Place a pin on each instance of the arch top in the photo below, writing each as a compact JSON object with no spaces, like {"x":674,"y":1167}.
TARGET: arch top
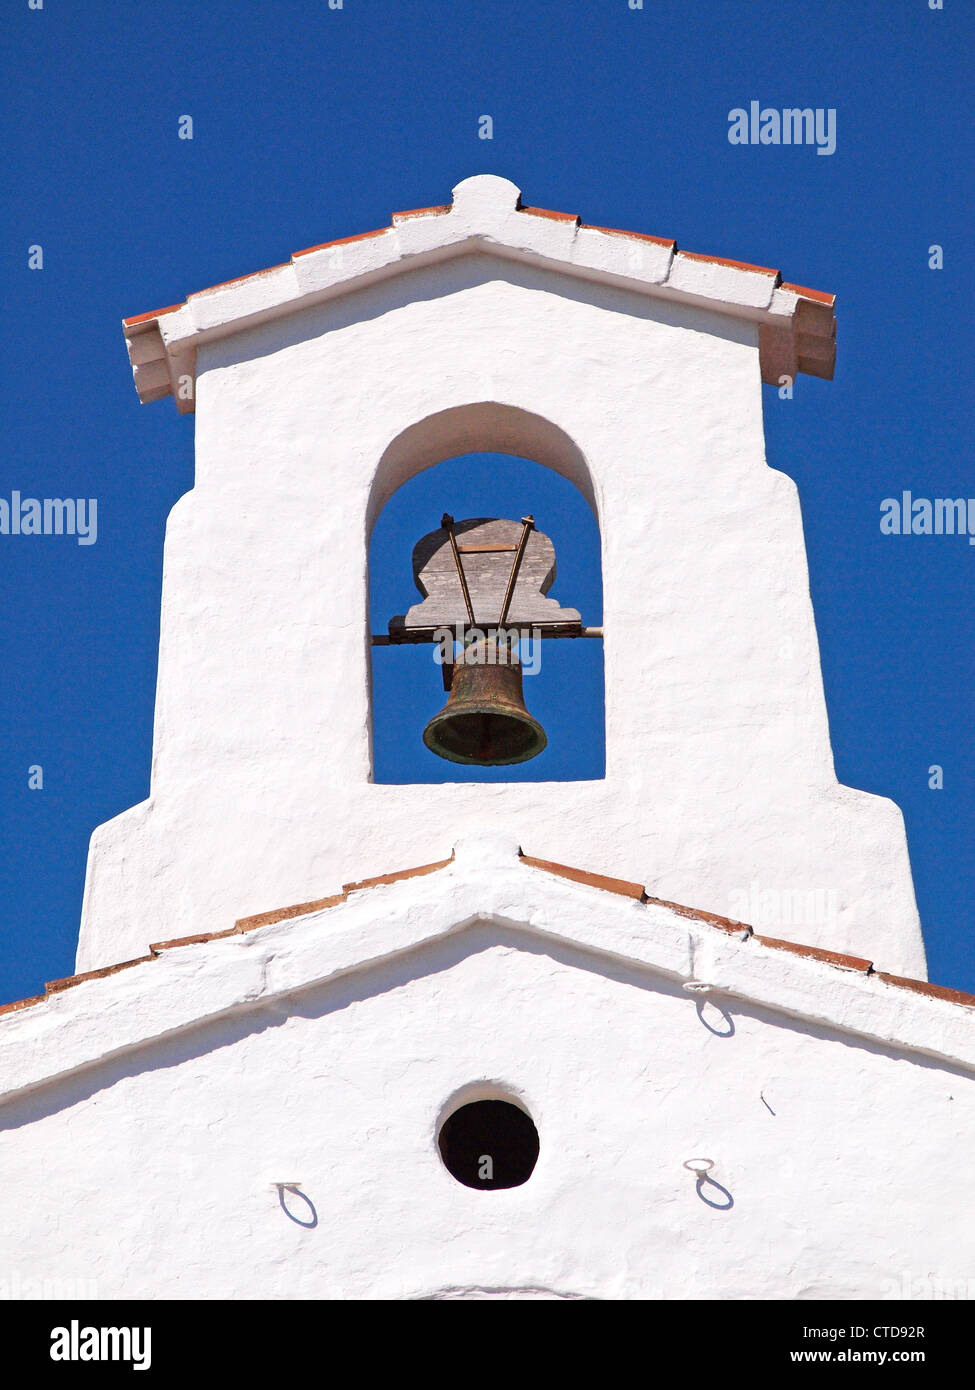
{"x":478,"y":427}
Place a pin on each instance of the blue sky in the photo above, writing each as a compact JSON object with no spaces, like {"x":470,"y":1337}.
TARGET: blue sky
{"x":312,"y":123}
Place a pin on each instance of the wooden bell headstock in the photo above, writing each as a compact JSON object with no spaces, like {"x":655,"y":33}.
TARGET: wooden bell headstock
{"x":484,"y":572}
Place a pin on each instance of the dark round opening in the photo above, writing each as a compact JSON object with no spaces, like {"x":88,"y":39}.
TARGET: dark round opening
{"x":487,"y":738}
{"x":488,"y":1144}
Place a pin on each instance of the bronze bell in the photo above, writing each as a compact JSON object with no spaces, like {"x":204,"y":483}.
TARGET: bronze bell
{"x":485,"y":720}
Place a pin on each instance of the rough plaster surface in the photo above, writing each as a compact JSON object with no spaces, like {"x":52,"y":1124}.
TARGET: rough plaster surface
{"x":719,"y":777}
{"x":163,"y":1105}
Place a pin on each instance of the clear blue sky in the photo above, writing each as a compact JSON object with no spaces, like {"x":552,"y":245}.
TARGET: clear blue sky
{"x":311,"y":123}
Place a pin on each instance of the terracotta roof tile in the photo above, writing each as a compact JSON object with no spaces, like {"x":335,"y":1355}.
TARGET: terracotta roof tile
{"x":282,"y":914}
{"x":340,"y":241}
{"x":727,"y":924}
{"x":954,"y":996}
{"x":621,"y":887}
{"x":556,"y":216}
{"x":239,"y":279}
{"x":157,"y":946}
{"x":152,"y":314}
{"x":820,"y":295}
{"x":817,"y":953}
{"x":437,"y":211}
{"x":19,"y":1004}
{"x":639,"y":236}
{"x":395,"y":877}
{"x":721,"y":260}
{"x":69,"y":981}
{"x":808,"y":295}
{"x":609,"y":885}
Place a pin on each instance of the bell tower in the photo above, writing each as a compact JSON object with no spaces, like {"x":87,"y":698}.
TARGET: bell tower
{"x":485,"y":1038}
{"x":634,"y":369}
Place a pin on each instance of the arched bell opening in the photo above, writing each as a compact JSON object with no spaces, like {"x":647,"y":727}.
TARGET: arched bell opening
{"x":476,"y":721}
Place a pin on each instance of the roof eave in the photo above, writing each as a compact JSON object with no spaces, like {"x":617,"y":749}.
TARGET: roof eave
{"x":797,"y":327}
{"x":280,"y":952}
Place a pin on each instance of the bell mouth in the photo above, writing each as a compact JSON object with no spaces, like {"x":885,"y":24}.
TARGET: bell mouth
{"x":484,"y":737}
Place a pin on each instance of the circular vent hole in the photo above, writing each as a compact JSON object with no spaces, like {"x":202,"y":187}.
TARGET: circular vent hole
{"x":488,"y":1144}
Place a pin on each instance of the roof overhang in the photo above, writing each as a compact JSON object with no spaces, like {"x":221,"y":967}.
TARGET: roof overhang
{"x":796,"y":325}
{"x":261,"y":960}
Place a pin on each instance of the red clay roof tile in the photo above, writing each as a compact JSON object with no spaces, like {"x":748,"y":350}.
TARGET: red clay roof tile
{"x":640,"y":236}
{"x":721,"y":260}
{"x":440,"y":209}
{"x":727,"y":924}
{"x":817,"y":953}
{"x":69,"y":981}
{"x":820,"y":295}
{"x":556,"y":216}
{"x":609,"y":885}
{"x":19,"y":1004}
{"x":238,"y":279}
{"x":156,"y":946}
{"x":954,"y":996}
{"x":340,"y":241}
{"x":152,"y":314}
{"x":622,"y":887}
{"x":282,"y":914}
{"x":395,"y":877}
{"x":436,"y":211}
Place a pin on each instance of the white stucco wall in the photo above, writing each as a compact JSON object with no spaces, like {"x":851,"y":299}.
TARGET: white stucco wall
{"x":151,"y":1169}
{"x":719,"y":780}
